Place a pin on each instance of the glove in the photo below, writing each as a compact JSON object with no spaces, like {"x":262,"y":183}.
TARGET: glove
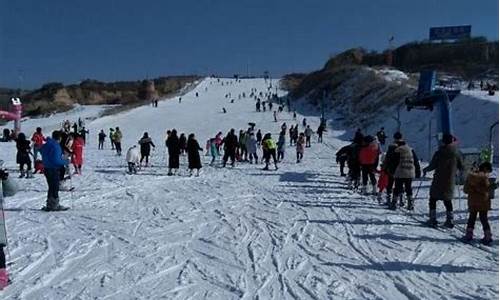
{"x":3,"y":175}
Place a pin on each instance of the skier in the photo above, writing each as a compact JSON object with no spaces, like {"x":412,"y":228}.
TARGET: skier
{"x":173,"y":152}
{"x":230,"y":145}
{"x":193,"y":148}
{"x":283,"y":127}
{"x":368,"y":160}
{"x":102,"y":137}
{"x":445,"y":162}
{"x":117,"y":139}
{"x":23,"y":155}
{"x":381,"y":136}
{"x":259,"y":137}
{"x":53,"y":162}
{"x":320,"y":131}
{"x":182,"y":143}
{"x":269,"y":148}
{"x":67,"y":152}
{"x":308,"y":133}
{"x":353,"y":163}
{"x":252,"y":148}
{"x":407,"y":168}
{"x":7,"y":190}
{"x":218,"y":142}
{"x":477,"y":187}
{"x":257,"y":106}
{"x":281,"y":146}
{"x":295,"y":133}
{"x":38,"y":139}
{"x":301,"y":143}
{"x":341,"y":157}
{"x":214,"y":151}
{"x":294,"y":114}
{"x":146,"y":143}
{"x":389,"y":165}
{"x":242,"y":142}
{"x":275,"y":116}
{"x":304,"y":122}
{"x":111,"y":138}
{"x":77,"y":154}
{"x":133,"y":159}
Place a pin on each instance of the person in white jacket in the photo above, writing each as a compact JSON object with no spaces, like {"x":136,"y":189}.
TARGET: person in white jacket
{"x":133,"y":158}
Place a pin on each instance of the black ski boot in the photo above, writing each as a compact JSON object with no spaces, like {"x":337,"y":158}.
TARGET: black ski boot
{"x":449,"y":220}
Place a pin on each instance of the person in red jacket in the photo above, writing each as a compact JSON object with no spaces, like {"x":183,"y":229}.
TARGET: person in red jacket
{"x":77,"y":157}
{"x":368,"y":160}
{"x":38,"y":140}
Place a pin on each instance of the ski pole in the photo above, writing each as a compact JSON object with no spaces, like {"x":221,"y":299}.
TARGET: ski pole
{"x":418,"y":188}
{"x":71,"y":191}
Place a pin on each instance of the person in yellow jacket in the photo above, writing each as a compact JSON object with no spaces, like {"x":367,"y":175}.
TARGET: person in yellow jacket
{"x":269,"y":148}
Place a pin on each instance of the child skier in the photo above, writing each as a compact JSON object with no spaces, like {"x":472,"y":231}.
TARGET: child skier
{"x":133,"y":158}
{"x":477,"y":187}
{"x":23,"y":155}
{"x":77,"y":157}
{"x":301,"y":143}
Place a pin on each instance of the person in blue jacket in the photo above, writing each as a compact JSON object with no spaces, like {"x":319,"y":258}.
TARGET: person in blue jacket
{"x":53,"y":161}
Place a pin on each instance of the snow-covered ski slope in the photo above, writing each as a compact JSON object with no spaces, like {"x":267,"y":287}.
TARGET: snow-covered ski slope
{"x":240,"y":233}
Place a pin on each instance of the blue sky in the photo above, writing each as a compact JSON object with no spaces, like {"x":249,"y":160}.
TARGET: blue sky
{"x":70,"y":40}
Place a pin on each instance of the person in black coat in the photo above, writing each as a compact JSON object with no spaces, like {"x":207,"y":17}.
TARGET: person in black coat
{"x":173,"y":152}
{"x":342,"y":156}
{"x":193,"y":153}
{"x":145,"y":142}
{"x":230,"y":145}
{"x":23,"y":155}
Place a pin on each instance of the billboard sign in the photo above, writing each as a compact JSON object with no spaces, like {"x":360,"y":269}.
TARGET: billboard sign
{"x":449,"y":32}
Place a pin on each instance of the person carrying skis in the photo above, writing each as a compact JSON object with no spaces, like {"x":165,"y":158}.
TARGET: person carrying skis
{"x":407,"y":168}
{"x":445,"y":163}
{"x":320,"y":131}
{"x":341,"y":157}
{"x":174,"y":151}
{"x":477,"y":187}
{"x":53,"y":162}
{"x":117,"y":139}
{"x":301,"y":144}
{"x":308,"y":133}
{"x":269,"y":148}
{"x":281,"y":146}
{"x":146,"y":143}
{"x":252,"y":148}
{"x":192,"y":149}
{"x":230,"y":145}
{"x":23,"y":155}
{"x":38,"y":139}
{"x":102,"y":137}
{"x":368,"y":160}
{"x":133,"y":159}
{"x":77,"y":154}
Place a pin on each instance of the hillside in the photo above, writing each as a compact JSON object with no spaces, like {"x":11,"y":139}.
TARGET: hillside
{"x":359,"y":96}
{"x":231,"y":233}
{"x":56,"y":97}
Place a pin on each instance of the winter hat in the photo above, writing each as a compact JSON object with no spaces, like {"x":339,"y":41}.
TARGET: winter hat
{"x":398,"y":136}
{"x":447,"y":138}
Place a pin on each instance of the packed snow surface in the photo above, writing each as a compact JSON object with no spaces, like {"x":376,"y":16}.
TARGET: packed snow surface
{"x":233,"y":233}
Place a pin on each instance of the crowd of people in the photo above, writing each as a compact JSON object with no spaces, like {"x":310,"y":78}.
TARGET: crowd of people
{"x":399,"y":166}
{"x":374,"y":168}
